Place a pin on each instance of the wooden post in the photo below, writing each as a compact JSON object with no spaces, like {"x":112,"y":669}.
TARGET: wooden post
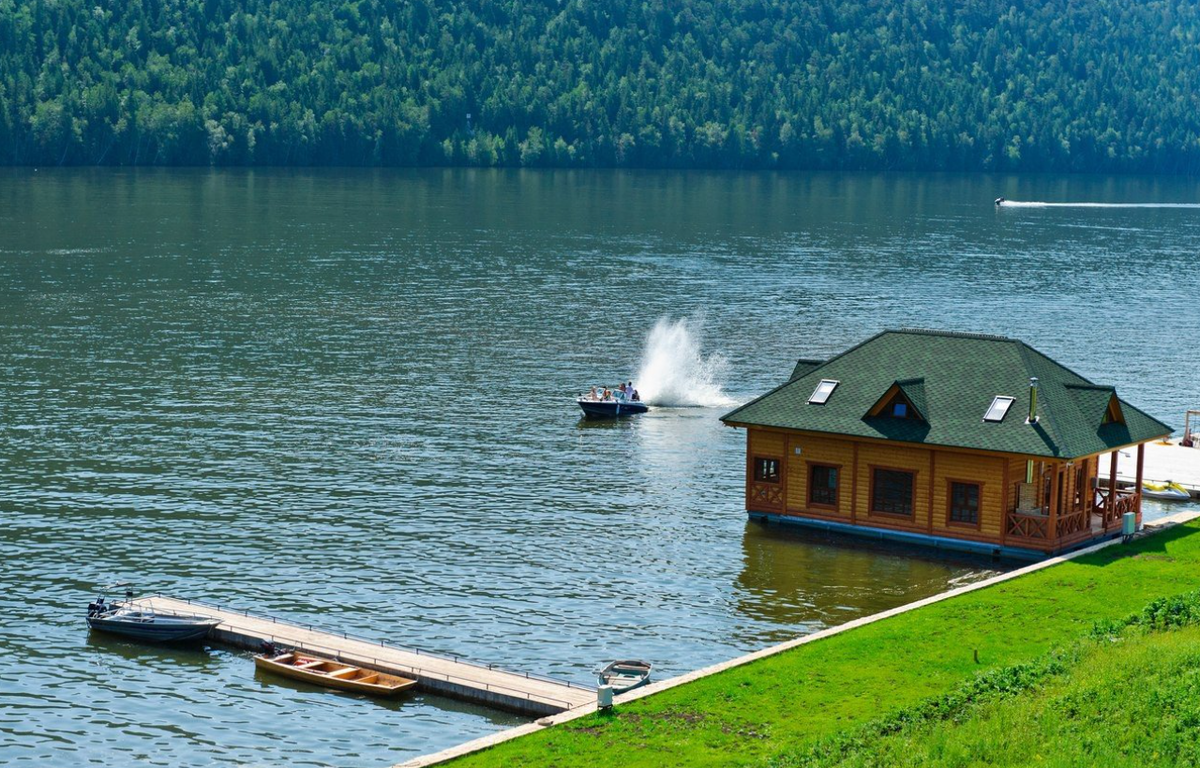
{"x":854,"y":486}
{"x":1141,"y":460}
{"x":1112,"y":491}
{"x":932,"y":466}
{"x":1004,"y":503}
{"x":1052,"y":505}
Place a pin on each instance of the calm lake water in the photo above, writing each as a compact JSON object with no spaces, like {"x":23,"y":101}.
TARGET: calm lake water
{"x":345,"y":398}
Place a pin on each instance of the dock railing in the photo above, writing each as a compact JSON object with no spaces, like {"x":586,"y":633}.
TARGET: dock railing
{"x":381,"y":643}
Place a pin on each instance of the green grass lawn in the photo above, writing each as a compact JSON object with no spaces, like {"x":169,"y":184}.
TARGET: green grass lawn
{"x":1129,"y":698}
{"x":773,"y":709}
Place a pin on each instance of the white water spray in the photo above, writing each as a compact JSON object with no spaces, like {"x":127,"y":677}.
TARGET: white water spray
{"x":674,"y":373}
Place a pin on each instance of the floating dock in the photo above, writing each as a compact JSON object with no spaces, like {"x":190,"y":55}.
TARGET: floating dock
{"x":447,"y":676}
{"x":1164,"y":461}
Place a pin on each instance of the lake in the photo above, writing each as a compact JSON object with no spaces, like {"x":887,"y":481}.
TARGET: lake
{"x":345,"y":398}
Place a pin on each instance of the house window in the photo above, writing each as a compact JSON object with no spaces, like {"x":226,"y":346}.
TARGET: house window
{"x":964,"y":503}
{"x":892,"y":491}
{"x":823,"y":391}
{"x":823,"y":485}
{"x":766,"y":470}
{"x":998,"y":409}
{"x":900,"y":409}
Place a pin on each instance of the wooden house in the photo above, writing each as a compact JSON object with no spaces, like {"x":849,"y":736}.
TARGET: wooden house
{"x":955,"y":440}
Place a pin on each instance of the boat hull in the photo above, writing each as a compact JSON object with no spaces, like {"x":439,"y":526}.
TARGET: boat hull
{"x":1171,"y":494}
{"x":153,"y":631}
{"x":371,"y":684}
{"x":624,"y":676}
{"x":611,"y":409}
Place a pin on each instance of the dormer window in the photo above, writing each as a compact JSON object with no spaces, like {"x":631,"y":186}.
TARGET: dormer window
{"x":999,"y":408}
{"x":905,"y":399}
{"x":1113,"y":413}
{"x":821,"y":394}
{"x":900,"y":408}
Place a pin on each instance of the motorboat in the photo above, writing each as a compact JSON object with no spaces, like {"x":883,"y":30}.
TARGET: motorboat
{"x":603,"y":403}
{"x":625,"y":675}
{"x":332,"y":674}
{"x":123,"y":618}
{"x":1167,"y":491}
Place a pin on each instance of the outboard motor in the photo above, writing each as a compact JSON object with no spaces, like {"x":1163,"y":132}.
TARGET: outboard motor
{"x":97,"y":608}
{"x":1000,"y":201}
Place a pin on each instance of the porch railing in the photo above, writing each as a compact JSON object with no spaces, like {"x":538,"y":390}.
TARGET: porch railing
{"x":1028,"y":525}
{"x":1112,"y":509}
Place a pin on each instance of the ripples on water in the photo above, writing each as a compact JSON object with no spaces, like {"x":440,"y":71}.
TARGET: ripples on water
{"x":345,"y":398}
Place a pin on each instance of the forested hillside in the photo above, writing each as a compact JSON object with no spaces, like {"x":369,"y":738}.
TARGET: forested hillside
{"x":1109,"y":85}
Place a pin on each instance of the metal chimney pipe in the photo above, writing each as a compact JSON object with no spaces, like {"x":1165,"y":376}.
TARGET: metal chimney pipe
{"x":1033,"y":386}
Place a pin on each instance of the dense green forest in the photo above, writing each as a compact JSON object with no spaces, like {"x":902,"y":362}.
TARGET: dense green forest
{"x":1107,"y":85}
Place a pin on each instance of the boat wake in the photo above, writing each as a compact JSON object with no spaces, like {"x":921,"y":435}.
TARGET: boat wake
{"x":1033,"y":204}
{"x":674,"y":372}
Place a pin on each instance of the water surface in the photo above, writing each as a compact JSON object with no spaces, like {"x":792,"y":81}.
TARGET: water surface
{"x":344,"y":398}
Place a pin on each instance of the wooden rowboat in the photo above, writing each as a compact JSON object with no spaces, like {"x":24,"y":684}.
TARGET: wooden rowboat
{"x":334,"y":674}
{"x":624,"y":675}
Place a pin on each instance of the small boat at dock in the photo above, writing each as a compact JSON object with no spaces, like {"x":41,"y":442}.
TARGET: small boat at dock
{"x":625,"y":675}
{"x":1167,"y":491}
{"x":122,"y":618}
{"x":333,"y":674}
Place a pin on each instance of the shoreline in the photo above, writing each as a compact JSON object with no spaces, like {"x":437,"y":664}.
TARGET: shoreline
{"x":480,"y":745}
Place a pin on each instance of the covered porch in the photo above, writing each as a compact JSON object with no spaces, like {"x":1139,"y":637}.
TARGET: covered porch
{"x":1066,"y":504}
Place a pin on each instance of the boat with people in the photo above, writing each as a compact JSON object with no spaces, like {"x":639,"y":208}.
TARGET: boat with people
{"x":125,"y":619}
{"x":624,"y":675}
{"x":1168,"y":491}
{"x":608,"y":403}
{"x":332,"y":674}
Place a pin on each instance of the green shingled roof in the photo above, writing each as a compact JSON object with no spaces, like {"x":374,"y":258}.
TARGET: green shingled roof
{"x":955,"y":376}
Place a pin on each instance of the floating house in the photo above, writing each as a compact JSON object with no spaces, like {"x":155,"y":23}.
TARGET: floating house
{"x":960,"y":441}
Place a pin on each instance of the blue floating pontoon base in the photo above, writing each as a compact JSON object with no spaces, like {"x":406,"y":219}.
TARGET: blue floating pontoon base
{"x":942,"y":543}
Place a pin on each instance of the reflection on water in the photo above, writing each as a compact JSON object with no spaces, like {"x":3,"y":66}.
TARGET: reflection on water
{"x":347,"y":398}
{"x":796,"y":577}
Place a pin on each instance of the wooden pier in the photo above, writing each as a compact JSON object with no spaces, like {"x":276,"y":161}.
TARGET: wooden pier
{"x":1164,"y":461}
{"x":447,"y":676}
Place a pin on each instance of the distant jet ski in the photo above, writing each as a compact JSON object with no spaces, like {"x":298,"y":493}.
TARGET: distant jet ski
{"x":1000,"y":201}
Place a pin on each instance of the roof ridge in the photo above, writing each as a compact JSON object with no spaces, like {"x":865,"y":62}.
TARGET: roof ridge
{"x":1089,"y":385}
{"x":1024,"y":351}
{"x":790,"y":382}
{"x":953,"y":334}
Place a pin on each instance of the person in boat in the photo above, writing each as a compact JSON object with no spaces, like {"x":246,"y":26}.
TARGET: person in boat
{"x":621,"y":391}
{"x":636,"y":396}
{"x":592,"y":395}
{"x":607,"y":394}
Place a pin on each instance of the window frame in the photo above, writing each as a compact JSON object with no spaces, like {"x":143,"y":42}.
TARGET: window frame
{"x":812,"y":399}
{"x":996,"y":400}
{"x":912,"y":492}
{"x":950,"y":520}
{"x":837,"y":488}
{"x":757,"y":463}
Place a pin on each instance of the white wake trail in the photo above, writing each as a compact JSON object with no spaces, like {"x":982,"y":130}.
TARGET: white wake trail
{"x":673,"y":370}
{"x":1034,"y":204}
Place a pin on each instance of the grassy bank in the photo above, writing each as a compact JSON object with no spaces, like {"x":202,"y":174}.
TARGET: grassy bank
{"x":773,"y":709}
{"x":1120,"y":696}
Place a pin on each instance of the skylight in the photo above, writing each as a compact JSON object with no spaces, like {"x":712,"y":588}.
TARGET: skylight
{"x":998,"y":408}
{"x":823,"y":391}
